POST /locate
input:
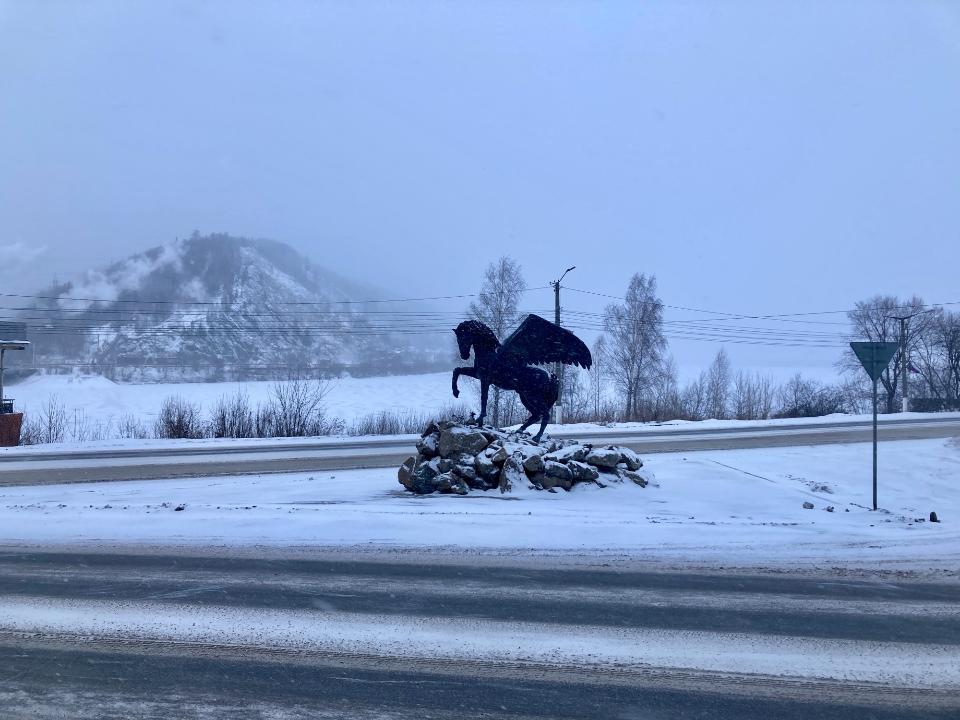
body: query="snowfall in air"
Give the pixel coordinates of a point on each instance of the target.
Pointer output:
(736, 507)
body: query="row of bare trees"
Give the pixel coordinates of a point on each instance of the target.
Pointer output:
(932, 344)
(634, 378)
(718, 392)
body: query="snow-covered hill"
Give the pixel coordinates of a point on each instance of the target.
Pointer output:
(218, 307)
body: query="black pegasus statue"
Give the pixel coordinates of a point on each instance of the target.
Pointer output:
(508, 365)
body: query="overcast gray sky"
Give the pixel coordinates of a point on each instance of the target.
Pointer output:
(758, 157)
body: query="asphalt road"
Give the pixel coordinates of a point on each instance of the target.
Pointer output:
(30, 467)
(789, 646)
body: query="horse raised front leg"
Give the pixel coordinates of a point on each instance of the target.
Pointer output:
(457, 372)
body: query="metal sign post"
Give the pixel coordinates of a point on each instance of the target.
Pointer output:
(874, 356)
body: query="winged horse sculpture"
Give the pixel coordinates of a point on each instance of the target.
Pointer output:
(509, 365)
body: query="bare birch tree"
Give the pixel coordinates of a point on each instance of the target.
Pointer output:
(693, 398)
(947, 336)
(636, 342)
(598, 373)
(667, 401)
(497, 307)
(719, 378)
(753, 396)
(936, 357)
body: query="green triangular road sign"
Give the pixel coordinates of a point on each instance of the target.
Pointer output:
(874, 356)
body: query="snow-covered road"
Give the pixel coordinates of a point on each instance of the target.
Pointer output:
(122, 635)
(147, 459)
(918, 665)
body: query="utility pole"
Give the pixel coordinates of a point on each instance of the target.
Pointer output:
(904, 363)
(904, 360)
(558, 367)
(875, 444)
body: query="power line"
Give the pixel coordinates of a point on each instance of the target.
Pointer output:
(757, 317)
(301, 319)
(209, 303)
(646, 302)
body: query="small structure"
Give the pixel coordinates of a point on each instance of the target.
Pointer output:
(12, 337)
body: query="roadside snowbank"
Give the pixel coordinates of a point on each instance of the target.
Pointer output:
(734, 506)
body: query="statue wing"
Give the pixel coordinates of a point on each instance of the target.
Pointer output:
(540, 342)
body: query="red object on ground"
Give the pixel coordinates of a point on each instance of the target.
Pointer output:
(10, 429)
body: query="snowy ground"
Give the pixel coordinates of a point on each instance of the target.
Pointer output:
(736, 507)
(99, 399)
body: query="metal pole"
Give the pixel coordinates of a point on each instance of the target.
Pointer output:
(2, 352)
(874, 444)
(558, 371)
(904, 363)
(556, 302)
(558, 367)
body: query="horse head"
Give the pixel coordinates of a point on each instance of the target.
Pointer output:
(473, 333)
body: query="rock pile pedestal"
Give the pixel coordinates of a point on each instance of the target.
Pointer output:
(453, 457)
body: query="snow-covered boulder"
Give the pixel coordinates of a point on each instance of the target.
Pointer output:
(454, 457)
(512, 475)
(459, 440)
(583, 472)
(534, 464)
(630, 459)
(608, 457)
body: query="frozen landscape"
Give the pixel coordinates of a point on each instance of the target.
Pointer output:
(248, 250)
(733, 507)
(97, 399)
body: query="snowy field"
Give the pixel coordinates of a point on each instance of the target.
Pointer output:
(99, 400)
(732, 507)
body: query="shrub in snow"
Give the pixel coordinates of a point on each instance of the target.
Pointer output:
(233, 417)
(47, 426)
(296, 409)
(84, 429)
(390, 422)
(129, 426)
(179, 419)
